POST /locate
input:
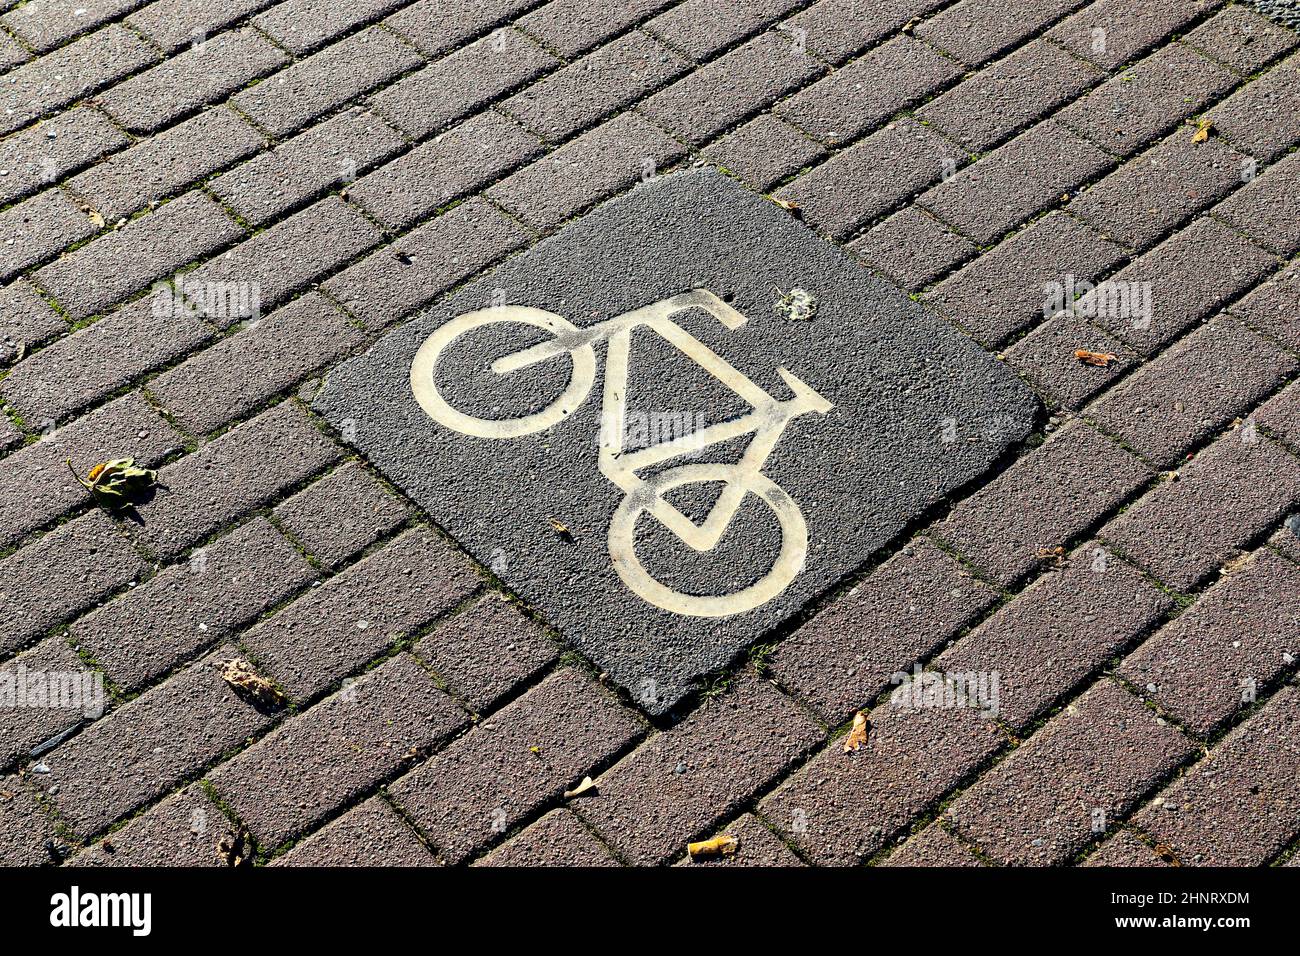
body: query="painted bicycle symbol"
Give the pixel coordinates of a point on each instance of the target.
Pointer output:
(644, 495)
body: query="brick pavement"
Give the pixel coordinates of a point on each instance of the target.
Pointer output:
(1031, 171)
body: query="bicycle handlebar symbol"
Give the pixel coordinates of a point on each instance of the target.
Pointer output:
(766, 423)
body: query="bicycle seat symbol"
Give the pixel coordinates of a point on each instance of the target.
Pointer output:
(645, 494)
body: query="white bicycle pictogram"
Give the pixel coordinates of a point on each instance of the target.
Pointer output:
(766, 423)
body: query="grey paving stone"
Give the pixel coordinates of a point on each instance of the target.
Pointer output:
(46, 692)
(203, 74)
(324, 758)
(36, 229)
(126, 260)
(306, 165)
(337, 516)
(487, 651)
(1274, 307)
(1113, 32)
(463, 82)
(465, 798)
(1242, 39)
(1231, 493)
(44, 153)
(1280, 415)
(1008, 95)
(35, 484)
(557, 839)
(1009, 528)
(678, 232)
(1268, 208)
(933, 846)
(756, 845)
(703, 28)
(146, 747)
(1286, 539)
(571, 27)
(1097, 757)
(602, 82)
(189, 607)
(837, 29)
(1047, 358)
(1124, 849)
(89, 365)
(439, 26)
(912, 605)
(304, 25)
(913, 248)
(872, 176)
(603, 161)
(12, 53)
(358, 614)
(372, 834)
(26, 320)
(425, 263)
(1192, 390)
(186, 829)
(976, 32)
(173, 24)
(868, 91)
(231, 475)
(161, 165)
(448, 167)
(1263, 117)
(765, 150)
(46, 25)
(1148, 99)
(27, 833)
(290, 99)
(10, 436)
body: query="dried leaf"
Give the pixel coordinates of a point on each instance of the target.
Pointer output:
(235, 850)
(798, 305)
(587, 785)
(561, 529)
(724, 845)
(789, 204)
(117, 483)
(239, 674)
(1055, 555)
(1099, 359)
(857, 738)
(96, 219)
(1203, 130)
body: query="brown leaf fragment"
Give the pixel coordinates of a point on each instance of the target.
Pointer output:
(857, 738)
(235, 850)
(1099, 359)
(561, 529)
(723, 845)
(1203, 130)
(1055, 555)
(788, 204)
(587, 786)
(239, 674)
(1166, 853)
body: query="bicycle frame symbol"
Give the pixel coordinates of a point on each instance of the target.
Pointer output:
(766, 423)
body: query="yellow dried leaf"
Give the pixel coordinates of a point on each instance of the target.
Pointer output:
(786, 203)
(587, 785)
(724, 845)
(857, 738)
(96, 220)
(1203, 130)
(239, 674)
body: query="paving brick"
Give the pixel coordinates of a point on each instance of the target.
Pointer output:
(27, 833)
(842, 808)
(1009, 95)
(69, 74)
(1015, 181)
(37, 228)
(10, 436)
(487, 652)
(310, 163)
(25, 320)
(1287, 538)
(721, 94)
(1148, 100)
(869, 90)
(191, 606)
(342, 513)
(1280, 415)
(1124, 849)
(913, 604)
(685, 781)
(184, 830)
(557, 839)
(1242, 39)
(12, 53)
(1025, 279)
(1009, 527)
(1240, 805)
(42, 154)
(837, 29)
(1268, 208)
(63, 573)
(976, 32)
(163, 164)
(1263, 117)
(514, 762)
(1190, 276)
(1113, 32)
(357, 615)
(1161, 189)
(425, 263)
(764, 151)
(439, 26)
(43, 694)
(326, 757)
(609, 158)
(145, 748)
(463, 82)
(202, 74)
(231, 475)
(913, 248)
(304, 25)
(448, 167)
(1238, 639)
(1058, 631)
(602, 82)
(124, 261)
(572, 27)
(1192, 390)
(372, 834)
(87, 366)
(51, 23)
(872, 176)
(35, 484)
(173, 24)
(1046, 357)
(1274, 307)
(703, 28)
(756, 846)
(1090, 763)
(1230, 494)
(933, 846)
(289, 100)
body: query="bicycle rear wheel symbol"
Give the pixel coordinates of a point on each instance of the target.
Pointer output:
(646, 494)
